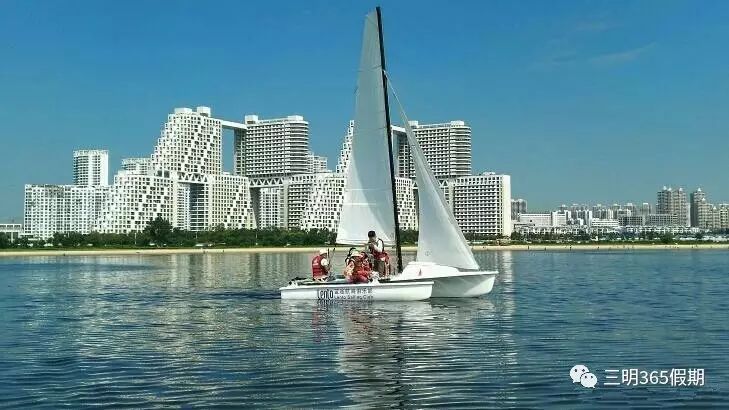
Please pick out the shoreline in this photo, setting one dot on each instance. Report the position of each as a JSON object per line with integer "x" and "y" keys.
{"x": 519, "y": 247}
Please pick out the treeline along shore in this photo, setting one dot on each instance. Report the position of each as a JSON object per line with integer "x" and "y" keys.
{"x": 159, "y": 237}
{"x": 90, "y": 251}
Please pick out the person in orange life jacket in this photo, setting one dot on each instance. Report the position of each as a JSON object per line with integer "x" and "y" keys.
{"x": 380, "y": 258}
{"x": 320, "y": 266}
{"x": 357, "y": 269}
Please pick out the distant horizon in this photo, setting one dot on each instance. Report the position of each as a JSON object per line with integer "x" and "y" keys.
{"x": 575, "y": 100}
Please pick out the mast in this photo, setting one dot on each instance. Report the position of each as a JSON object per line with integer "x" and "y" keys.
{"x": 389, "y": 142}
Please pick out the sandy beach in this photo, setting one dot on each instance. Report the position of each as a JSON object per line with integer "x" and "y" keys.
{"x": 531, "y": 247}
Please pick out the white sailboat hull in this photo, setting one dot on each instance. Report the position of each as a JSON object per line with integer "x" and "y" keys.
{"x": 449, "y": 282}
{"x": 372, "y": 291}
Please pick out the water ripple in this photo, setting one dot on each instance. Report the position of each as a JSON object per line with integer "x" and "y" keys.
{"x": 201, "y": 331}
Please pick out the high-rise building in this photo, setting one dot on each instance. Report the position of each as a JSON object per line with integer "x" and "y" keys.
{"x": 91, "y": 167}
{"x": 708, "y": 216}
{"x": 185, "y": 185}
{"x": 323, "y": 195}
{"x": 478, "y": 201}
{"x": 135, "y": 200}
{"x": 481, "y": 203}
{"x": 271, "y": 210}
{"x": 190, "y": 142}
{"x": 277, "y": 181}
{"x": 674, "y": 202}
{"x": 315, "y": 201}
{"x": 62, "y": 208}
{"x": 645, "y": 209}
{"x": 346, "y": 149}
{"x": 699, "y": 207}
{"x": 518, "y": 206}
{"x": 272, "y": 148}
{"x": 446, "y": 146}
{"x": 141, "y": 166}
{"x": 316, "y": 163}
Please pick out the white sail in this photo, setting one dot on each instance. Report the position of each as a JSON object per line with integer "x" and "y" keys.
{"x": 440, "y": 240}
{"x": 368, "y": 203}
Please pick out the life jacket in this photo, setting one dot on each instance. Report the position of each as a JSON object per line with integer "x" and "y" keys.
{"x": 363, "y": 269}
{"x": 375, "y": 254}
{"x": 317, "y": 271}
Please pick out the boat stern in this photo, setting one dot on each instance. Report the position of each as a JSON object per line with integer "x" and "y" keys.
{"x": 449, "y": 282}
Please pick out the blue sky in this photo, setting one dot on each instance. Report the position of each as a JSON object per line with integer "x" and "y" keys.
{"x": 580, "y": 101}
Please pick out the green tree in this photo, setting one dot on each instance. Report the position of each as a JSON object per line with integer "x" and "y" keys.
{"x": 159, "y": 230}
{"x": 4, "y": 241}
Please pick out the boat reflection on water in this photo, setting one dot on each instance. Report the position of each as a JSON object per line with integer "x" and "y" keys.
{"x": 397, "y": 354}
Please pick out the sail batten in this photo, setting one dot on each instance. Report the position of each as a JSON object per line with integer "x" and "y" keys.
{"x": 368, "y": 200}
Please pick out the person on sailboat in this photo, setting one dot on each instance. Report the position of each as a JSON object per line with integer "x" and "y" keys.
{"x": 376, "y": 248}
{"x": 357, "y": 269}
{"x": 320, "y": 266}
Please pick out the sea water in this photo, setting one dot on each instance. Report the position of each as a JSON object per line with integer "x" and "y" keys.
{"x": 209, "y": 330}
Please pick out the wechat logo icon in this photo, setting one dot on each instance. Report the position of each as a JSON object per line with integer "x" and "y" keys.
{"x": 581, "y": 374}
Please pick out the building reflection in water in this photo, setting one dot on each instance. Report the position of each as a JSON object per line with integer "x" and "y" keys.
{"x": 215, "y": 321}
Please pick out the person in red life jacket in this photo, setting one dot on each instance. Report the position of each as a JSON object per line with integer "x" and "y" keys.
{"x": 357, "y": 269}
{"x": 380, "y": 258}
{"x": 320, "y": 266}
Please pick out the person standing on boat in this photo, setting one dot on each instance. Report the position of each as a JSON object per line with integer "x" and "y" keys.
{"x": 357, "y": 269}
{"x": 320, "y": 266}
{"x": 380, "y": 258}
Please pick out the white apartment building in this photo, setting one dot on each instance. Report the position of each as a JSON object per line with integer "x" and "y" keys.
{"x": 320, "y": 197}
{"x": 11, "y": 231}
{"x": 141, "y": 166}
{"x": 478, "y": 201}
{"x": 674, "y": 202}
{"x": 663, "y": 220}
{"x": 272, "y": 148}
{"x": 543, "y": 220}
{"x": 346, "y": 150}
{"x": 62, "y": 208}
{"x": 271, "y": 207}
{"x": 229, "y": 203}
{"x": 604, "y": 223}
{"x": 706, "y": 215}
{"x": 135, "y": 200}
{"x": 211, "y": 201}
{"x": 314, "y": 201}
{"x": 446, "y": 146}
{"x": 91, "y": 167}
{"x": 185, "y": 184}
{"x": 481, "y": 203}
{"x": 277, "y": 181}
{"x": 190, "y": 142}
{"x": 323, "y": 196}
{"x": 316, "y": 163}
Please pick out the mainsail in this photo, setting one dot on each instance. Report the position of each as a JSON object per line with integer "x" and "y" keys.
{"x": 368, "y": 203}
{"x": 440, "y": 240}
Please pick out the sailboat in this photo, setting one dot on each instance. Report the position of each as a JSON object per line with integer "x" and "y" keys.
{"x": 370, "y": 200}
{"x": 445, "y": 265}
{"x": 369, "y": 190}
